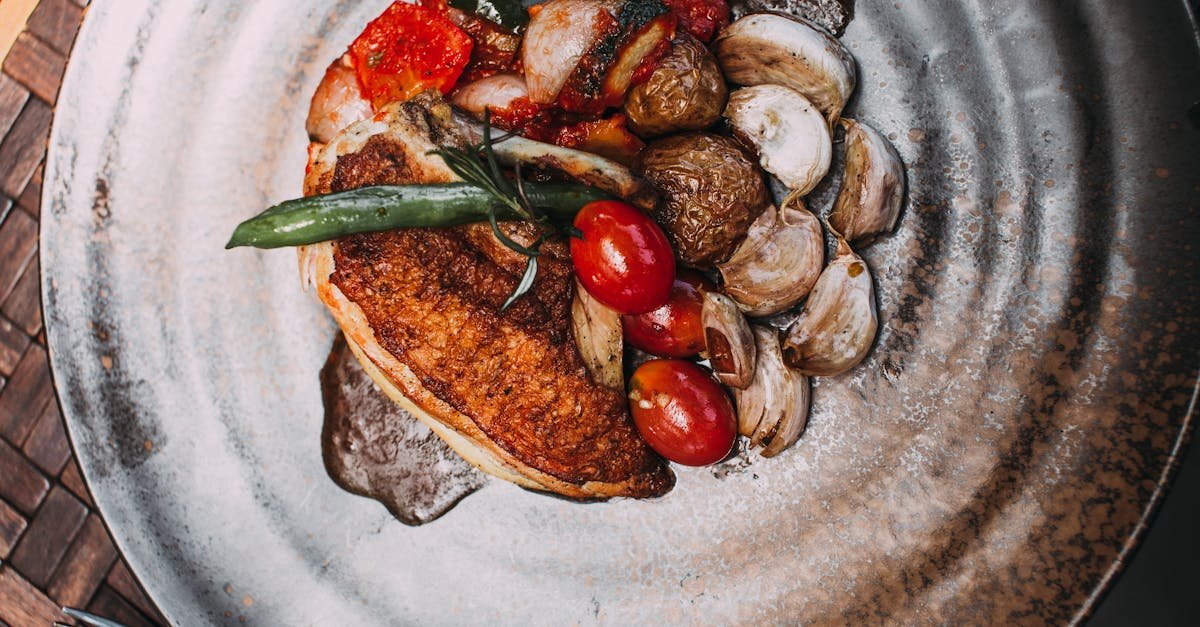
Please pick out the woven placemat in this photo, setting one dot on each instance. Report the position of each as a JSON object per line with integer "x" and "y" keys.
{"x": 54, "y": 548}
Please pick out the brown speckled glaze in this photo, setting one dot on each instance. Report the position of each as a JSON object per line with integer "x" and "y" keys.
{"x": 994, "y": 460}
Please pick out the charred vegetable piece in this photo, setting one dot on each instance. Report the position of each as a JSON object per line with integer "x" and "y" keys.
{"x": 495, "y": 48}
{"x": 638, "y": 55}
{"x": 681, "y": 412}
{"x": 710, "y": 194}
{"x": 558, "y": 36}
{"x": 608, "y": 138}
{"x": 321, "y": 218}
{"x": 409, "y": 49}
{"x": 686, "y": 92}
{"x": 639, "y": 34}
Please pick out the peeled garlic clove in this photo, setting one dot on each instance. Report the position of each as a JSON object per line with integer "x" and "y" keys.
{"x": 788, "y": 132}
{"x": 773, "y": 410}
{"x": 778, "y": 263}
{"x": 771, "y": 49}
{"x": 598, "y": 337}
{"x": 730, "y": 345}
{"x": 837, "y": 326}
{"x": 872, "y": 188}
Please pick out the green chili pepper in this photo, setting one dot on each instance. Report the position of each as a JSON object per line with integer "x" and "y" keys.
{"x": 321, "y": 218}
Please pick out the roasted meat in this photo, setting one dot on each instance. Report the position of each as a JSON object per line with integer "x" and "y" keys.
{"x": 508, "y": 390}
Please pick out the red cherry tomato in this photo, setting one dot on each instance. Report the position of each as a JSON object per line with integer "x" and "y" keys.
{"x": 673, "y": 330}
{"x": 623, "y": 259}
{"x": 682, "y": 412}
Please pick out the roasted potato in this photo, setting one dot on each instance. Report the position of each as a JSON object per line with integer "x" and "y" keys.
{"x": 685, "y": 93}
{"x": 710, "y": 192}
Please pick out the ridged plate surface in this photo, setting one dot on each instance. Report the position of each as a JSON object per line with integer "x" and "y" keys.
{"x": 995, "y": 459}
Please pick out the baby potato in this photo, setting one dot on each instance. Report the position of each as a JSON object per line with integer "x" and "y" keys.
{"x": 685, "y": 93}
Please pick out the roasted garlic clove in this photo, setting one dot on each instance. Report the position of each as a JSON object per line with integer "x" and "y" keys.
{"x": 778, "y": 263}
{"x": 788, "y": 132}
{"x": 837, "y": 325}
{"x": 598, "y": 337}
{"x": 773, "y": 409}
{"x": 872, "y": 188}
{"x": 772, "y": 49}
{"x": 729, "y": 343}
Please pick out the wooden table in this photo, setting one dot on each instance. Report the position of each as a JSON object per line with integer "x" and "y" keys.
{"x": 54, "y": 548}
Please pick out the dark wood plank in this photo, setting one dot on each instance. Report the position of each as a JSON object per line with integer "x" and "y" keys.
{"x": 22, "y": 604}
{"x": 13, "y": 343}
{"x": 31, "y": 198}
{"x": 24, "y": 303}
{"x": 122, "y": 581}
{"x": 84, "y": 566}
{"x": 12, "y": 524}
{"x": 72, "y": 479}
{"x": 13, "y": 96}
{"x": 109, "y": 604}
{"x": 24, "y": 147}
{"x": 22, "y": 485}
{"x": 18, "y": 242}
{"x": 26, "y": 395}
{"x": 37, "y": 66}
{"x": 55, "y": 22}
{"x": 50, "y": 533}
{"x": 47, "y": 446}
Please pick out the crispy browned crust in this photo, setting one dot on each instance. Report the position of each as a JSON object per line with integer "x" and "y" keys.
{"x": 423, "y": 305}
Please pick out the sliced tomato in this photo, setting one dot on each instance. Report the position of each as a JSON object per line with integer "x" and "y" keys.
{"x": 409, "y": 49}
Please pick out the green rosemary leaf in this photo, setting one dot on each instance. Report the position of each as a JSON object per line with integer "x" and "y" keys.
{"x": 526, "y": 283}
{"x": 507, "y": 241}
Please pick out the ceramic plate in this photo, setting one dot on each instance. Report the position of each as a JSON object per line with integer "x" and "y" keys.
{"x": 995, "y": 458}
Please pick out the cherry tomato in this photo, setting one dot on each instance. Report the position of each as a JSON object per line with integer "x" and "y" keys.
{"x": 673, "y": 330}
{"x": 682, "y": 412}
{"x": 409, "y": 49}
{"x": 623, "y": 259}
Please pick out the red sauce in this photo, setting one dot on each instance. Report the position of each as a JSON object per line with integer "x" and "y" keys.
{"x": 700, "y": 18}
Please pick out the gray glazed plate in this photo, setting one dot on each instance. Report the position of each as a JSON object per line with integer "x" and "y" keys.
{"x": 996, "y": 458}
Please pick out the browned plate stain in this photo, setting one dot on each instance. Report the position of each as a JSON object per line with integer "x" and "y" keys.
{"x": 54, "y": 549}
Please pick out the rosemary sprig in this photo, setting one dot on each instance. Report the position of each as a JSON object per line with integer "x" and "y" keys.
{"x": 477, "y": 166}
